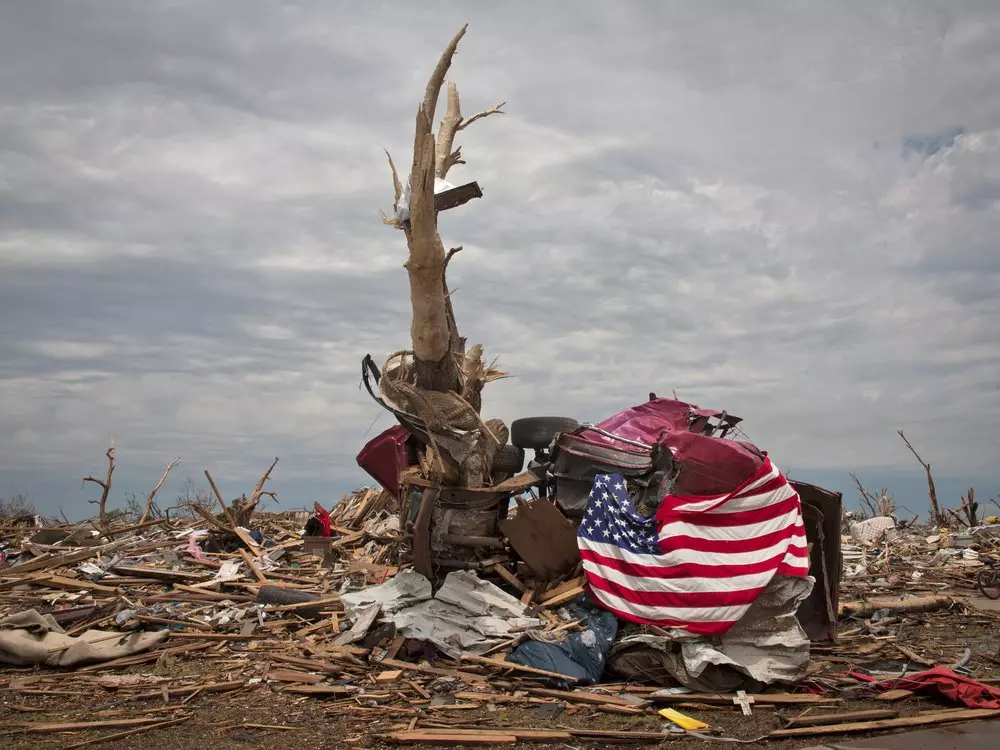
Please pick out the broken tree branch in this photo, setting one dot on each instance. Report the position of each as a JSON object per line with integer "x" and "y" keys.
{"x": 104, "y": 485}
{"x": 149, "y": 500}
{"x": 866, "y": 497}
{"x": 931, "y": 492}
{"x": 496, "y": 109}
{"x": 452, "y": 123}
{"x": 396, "y": 184}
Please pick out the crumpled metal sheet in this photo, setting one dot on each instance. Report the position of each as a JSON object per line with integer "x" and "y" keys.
{"x": 403, "y": 590}
{"x": 767, "y": 645}
{"x": 465, "y": 615}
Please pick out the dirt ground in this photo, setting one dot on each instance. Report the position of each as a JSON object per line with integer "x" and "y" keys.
{"x": 291, "y": 721}
{"x": 222, "y": 720}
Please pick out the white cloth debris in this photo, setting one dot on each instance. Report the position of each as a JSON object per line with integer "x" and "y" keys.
{"x": 871, "y": 530}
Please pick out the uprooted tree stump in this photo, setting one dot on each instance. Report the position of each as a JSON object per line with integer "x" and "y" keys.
{"x": 438, "y": 379}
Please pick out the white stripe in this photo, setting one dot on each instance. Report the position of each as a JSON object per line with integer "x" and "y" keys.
{"x": 679, "y": 585}
{"x": 700, "y": 506}
{"x": 684, "y": 614}
{"x": 754, "y": 501}
{"x": 728, "y": 533}
{"x": 681, "y": 556}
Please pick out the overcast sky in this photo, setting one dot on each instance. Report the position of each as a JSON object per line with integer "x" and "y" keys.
{"x": 786, "y": 210}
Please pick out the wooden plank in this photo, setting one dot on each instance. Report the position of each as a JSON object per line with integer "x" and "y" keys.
{"x": 919, "y": 720}
{"x": 313, "y": 604}
{"x": 159, "y": 574}
{"x": 562, "y": 588}
{"x": 75, "y": 726}
{"x": 760, "y": 699}
{"x": 222, "y": 636}
{"x": 442, "y": 737}
{"x": 585, "y": 696}
{"x": 287, "y": 675}
{"x": 501, "y": 664}
{"x": 815, "y": 720}
{"x": 422, "y": 562}
{"x": 891, "y": 696}
{"x": 248, "y": 541}
{"x": 509, "y": 577}
{"x": 314, "y": 666}
{"x": 321, "y": 689}
{"x": 258, "y": 573}
{"x": 47, "y": 561}
{"x": 128, "y": 733}
{"x": 73, "y": 583}
{"x": 543, "y": 537}
{"x": 175, "y": 623}
{"x": 437, "y": 671}
{"x": 566, "y": 596}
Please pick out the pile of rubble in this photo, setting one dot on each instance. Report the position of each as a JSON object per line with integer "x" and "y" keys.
{"x": 392, "y": 609}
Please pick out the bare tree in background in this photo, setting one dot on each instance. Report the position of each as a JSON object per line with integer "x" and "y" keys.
{"x": 936, "y": 516}
{"x": 104, "y": 484}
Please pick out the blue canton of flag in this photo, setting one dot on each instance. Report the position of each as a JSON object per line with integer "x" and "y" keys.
{"x": 611, "y": 519}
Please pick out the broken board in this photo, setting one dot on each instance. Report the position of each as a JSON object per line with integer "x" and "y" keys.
{"x": 543, "y": 537}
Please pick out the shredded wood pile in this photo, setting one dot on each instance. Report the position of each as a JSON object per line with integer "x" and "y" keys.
{"x": 229, "y": 633}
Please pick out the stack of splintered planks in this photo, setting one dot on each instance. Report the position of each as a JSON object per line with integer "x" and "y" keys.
{"x": 261, "y": 623}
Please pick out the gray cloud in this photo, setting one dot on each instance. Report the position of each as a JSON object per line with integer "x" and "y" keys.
{"x": 787, "y": 211}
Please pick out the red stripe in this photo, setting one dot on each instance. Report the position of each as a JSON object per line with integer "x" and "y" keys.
{"x": 684, "y": 570}
{"x": 734, "y": 546}
{"x": 685, "y": 599}
{"x": 739, "y": 518}
{"x": 764, "y": 470}
{"x": 698, "y": 628}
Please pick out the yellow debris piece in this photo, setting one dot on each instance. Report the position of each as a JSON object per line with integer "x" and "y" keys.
{"x": 684, "y": 722}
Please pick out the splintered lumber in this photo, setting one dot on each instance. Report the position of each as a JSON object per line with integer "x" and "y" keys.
{"x": 912, "y": 604}
{"x": 509, "y": 577}
{"x": 437, "y": 671}
{"x": 501, "y": 664}
{"x": 585, "y": 696}
{"x": 891, "y": 696}
{"x": 919, "y": 720}
{"x": 566, "y": 596}
{"x": 311, "y": 604}
{"x": 160, "y": 574}
{"x": 284, "y": 675}
{"x": 128, "y": 733}
{"x": 75, "y": 726}
{"x": 815, "y": 720}
{"x": 257, "y": 572}
{"x": 448, "y": 737}
{"x": 314, "y": 666}
{"x": 476, "y": 736}
{"x": 221, "y": 636}
{"x": 464, "y": 695}
{"x": 176, "y": 623}
{"x": 60, "y": 582}
{"x": 561, "y": 589}
{"x": 321, "y": 689}
{"x": 46, "y": 561}
{"x": 760, "y": 699}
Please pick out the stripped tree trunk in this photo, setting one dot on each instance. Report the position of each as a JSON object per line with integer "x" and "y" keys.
{"x": 440, "y": 362}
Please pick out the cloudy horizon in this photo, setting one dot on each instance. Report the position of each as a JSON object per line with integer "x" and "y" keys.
{"x": 788, "y": 211}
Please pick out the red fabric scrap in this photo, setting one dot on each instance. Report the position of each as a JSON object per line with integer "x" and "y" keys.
{"x": 953, "y": 686}
{"x": 324, "y": 518}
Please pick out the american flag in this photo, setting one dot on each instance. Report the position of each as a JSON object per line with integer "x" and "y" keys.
{"x": 700, "y": 561}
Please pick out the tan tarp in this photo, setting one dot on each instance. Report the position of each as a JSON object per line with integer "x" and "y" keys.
{"x": 28, "y": 638}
